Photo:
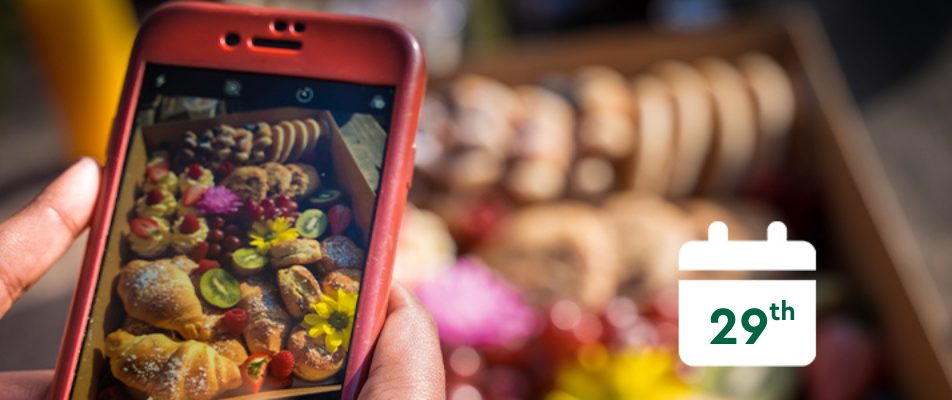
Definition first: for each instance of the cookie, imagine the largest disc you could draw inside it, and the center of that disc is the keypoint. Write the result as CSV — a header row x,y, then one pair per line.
x,y
248,182
695,124
339,252
736,131
649,169
315,129
649,232
290,140
775,102
297,251
304,180
279,178
601,89
304,138
277,144
556,251
606,133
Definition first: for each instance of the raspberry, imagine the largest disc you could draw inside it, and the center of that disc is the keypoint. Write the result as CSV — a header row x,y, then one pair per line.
x,y
199,252
190,224
235,321
154,197
282,364
195,171
205,265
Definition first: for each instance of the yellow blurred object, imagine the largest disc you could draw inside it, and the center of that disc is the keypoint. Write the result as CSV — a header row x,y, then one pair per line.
x,y
83,46
646,374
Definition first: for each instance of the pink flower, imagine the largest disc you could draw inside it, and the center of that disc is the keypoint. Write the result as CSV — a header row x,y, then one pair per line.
x,y
218,200
473,307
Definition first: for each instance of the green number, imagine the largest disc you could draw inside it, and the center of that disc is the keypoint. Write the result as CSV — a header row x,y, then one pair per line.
x,y
721,337
755,330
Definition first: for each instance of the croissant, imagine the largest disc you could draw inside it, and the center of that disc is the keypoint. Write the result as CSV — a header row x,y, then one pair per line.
x,y
161,294
170,370
268,323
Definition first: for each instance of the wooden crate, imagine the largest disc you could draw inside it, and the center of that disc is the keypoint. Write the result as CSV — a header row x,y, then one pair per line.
x,y
861,212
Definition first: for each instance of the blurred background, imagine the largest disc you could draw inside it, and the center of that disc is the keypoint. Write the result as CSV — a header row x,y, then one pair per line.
x,y
546,207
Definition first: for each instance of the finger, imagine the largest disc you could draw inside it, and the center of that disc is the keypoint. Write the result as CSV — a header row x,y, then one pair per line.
x,y
407,362
25,385
33,239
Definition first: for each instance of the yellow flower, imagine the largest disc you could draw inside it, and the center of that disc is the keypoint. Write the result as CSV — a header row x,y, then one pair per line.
x,y
333,318
634,374
266,234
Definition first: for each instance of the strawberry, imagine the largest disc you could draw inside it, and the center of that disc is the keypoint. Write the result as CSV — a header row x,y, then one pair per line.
x,y
144,227
254,370
235,321
190,224
199,251
282,364
154,197
339,217
205,265
156,173
192,194
194,171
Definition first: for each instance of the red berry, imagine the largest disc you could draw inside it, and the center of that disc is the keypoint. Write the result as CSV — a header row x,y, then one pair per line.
x,y
235,321
283,201
268,210
216,222
156,173
195,171
231,243
282,364
225,168
232,230
192,194
190,224
215,235
205,265
200,251
154,197
214,250
339,217
143,227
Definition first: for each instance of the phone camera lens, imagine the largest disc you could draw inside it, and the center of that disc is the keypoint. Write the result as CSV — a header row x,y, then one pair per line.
x,y
299,27
280,26
232,39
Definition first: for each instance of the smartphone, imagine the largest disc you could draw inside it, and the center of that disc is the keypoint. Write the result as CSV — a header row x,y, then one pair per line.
x,y
245,231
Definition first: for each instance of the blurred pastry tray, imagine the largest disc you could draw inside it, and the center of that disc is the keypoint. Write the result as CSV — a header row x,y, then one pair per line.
x,y
861,211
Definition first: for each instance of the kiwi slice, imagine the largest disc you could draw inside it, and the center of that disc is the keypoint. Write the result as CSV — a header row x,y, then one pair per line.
x,y
311,223
219,288
248,261
324,197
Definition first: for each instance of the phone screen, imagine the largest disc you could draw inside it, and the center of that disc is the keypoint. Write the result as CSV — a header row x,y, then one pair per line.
x,y
238,242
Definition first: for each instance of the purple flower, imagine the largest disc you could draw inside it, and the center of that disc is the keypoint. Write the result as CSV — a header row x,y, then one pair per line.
x,y
473,307
218,200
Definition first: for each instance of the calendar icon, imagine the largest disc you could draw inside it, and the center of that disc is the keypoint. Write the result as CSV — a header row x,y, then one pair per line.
x,y
747,322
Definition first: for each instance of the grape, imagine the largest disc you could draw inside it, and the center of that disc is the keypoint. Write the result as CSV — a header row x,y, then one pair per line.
x,y
214,250
231,243
216,222
215,235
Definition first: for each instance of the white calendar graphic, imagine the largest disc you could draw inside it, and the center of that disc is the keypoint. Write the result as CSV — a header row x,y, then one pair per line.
x,y
747,322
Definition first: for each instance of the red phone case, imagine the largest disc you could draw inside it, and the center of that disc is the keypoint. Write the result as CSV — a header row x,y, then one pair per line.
x,y
344,48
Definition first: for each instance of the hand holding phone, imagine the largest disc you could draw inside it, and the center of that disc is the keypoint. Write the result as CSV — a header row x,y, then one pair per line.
x,y
244,236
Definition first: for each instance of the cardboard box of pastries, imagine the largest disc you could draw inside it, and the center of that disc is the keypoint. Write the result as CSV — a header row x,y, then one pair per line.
x,y
355,178
800,147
